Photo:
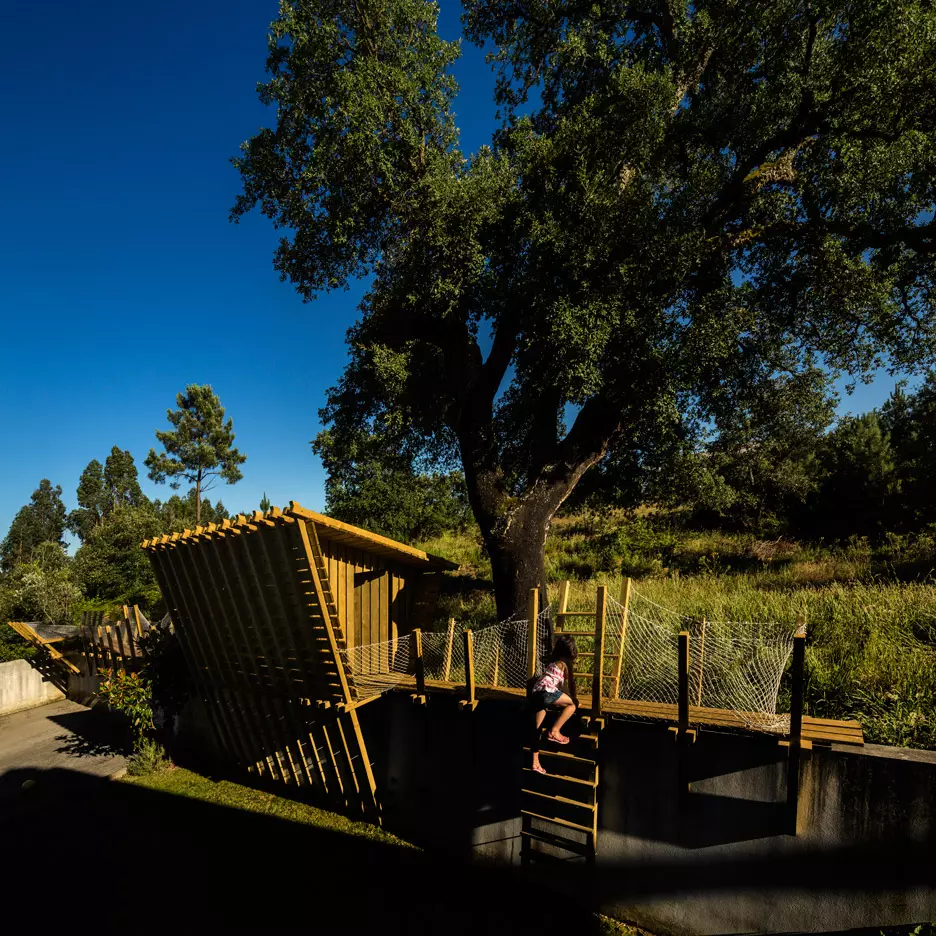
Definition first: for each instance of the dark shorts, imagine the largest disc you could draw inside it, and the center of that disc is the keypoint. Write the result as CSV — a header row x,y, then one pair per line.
x,y
542,699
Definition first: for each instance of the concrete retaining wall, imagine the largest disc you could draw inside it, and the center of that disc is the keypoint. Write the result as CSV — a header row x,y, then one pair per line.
x,y
864,855
23,686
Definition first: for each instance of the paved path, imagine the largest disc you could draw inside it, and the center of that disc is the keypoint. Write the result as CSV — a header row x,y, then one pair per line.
x,y
62,735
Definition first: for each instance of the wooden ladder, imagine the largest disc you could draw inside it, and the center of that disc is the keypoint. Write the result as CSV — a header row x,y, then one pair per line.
x,y
559,809
331,606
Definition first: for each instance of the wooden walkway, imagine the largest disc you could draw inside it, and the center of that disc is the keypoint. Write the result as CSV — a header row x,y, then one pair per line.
x,y
816,730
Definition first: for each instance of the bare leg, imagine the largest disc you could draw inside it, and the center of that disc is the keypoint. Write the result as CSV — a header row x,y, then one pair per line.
x,y
538,718
568,710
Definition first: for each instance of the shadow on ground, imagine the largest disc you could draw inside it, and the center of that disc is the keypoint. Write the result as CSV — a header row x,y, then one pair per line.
x,y
151,861
93,733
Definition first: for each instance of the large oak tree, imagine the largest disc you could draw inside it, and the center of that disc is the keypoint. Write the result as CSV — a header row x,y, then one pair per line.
x,y
686,202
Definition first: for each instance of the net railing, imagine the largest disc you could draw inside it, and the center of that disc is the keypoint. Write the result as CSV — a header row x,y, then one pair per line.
x,y
734,666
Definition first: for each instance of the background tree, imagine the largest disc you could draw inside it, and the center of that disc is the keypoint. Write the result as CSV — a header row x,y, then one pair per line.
x,y
121,484
909,419
763,460
178,513
111,567
42,520
92,501
104,489
199,448
386,493
857,495
684,199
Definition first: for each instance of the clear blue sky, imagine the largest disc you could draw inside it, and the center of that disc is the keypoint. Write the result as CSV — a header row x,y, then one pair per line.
x,y
121,279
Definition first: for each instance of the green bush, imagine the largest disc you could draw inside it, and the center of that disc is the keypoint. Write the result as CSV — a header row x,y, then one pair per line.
x,y
149,756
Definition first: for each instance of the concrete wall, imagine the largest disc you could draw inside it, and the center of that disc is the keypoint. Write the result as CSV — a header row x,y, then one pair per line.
x,y
723,862
24,686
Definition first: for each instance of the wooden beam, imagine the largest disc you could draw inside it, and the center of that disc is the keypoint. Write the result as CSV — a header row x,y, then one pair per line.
x,y
601,611
798,674
323,610
626,585
448,650
563,604
532,622
701,662
682,707
420,669
471,703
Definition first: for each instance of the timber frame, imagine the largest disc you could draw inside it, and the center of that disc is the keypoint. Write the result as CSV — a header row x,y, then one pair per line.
x,y
259,624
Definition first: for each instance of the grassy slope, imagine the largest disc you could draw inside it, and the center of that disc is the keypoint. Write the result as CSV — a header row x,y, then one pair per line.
x,y
871,637
193,786
224,793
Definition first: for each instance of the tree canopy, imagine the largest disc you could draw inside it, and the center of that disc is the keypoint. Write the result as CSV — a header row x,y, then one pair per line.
x,y
684,201
40,521
199,448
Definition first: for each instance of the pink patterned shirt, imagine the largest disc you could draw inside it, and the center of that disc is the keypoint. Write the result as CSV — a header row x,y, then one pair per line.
x,y
552,679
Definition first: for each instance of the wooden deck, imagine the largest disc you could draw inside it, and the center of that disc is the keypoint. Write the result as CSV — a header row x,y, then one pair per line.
x,y
816,730
27,633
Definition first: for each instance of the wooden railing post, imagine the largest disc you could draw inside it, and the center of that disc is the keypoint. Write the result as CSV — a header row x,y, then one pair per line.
x,y
447,671
563,605
683,734
601,610
683,704
532,625
798,674
471,703
626,585
420,670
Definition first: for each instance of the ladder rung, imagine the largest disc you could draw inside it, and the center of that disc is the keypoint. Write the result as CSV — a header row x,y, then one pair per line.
x,y
563,778
572,757
557,841
555,798
588,830
562,614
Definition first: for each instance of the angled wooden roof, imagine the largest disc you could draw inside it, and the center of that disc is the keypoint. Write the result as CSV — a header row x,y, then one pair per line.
x,y
359,538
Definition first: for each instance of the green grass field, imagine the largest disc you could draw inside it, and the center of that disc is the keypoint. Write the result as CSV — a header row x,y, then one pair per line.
x,y
871,612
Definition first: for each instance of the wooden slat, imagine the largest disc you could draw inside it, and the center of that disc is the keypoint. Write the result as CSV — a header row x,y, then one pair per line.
x,y
222,553
532,622
323,611
601,610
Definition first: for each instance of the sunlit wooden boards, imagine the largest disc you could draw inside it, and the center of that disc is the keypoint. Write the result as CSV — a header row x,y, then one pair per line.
x,y
266,608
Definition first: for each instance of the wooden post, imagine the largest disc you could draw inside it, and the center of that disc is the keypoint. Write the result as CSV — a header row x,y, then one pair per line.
x,y
563,604
532,622
471,703
798,674
496,664
601,610
701,662
626,585
420,696
683,708
447,672
682,729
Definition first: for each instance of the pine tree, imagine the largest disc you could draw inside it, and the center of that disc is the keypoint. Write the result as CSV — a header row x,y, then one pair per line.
x,y
200,446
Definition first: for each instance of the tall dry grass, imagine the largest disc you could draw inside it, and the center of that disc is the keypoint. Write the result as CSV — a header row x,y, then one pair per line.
x,y
871,640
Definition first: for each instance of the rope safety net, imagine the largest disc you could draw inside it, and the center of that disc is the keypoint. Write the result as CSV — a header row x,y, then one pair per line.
x,y
733,665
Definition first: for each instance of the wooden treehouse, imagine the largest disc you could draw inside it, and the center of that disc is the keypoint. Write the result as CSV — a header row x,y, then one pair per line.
x,y
267,609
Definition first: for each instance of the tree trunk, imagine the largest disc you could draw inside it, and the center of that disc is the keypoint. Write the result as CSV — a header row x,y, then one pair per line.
x,y
518,561
198,484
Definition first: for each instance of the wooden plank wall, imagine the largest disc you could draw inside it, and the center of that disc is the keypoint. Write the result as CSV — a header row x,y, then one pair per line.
x,y
110,644
374,595
264,653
